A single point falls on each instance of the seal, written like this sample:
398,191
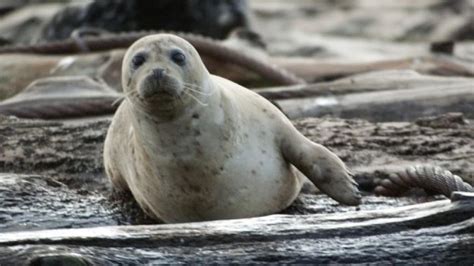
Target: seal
191,146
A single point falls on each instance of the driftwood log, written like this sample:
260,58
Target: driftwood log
378,96
313,70
436,232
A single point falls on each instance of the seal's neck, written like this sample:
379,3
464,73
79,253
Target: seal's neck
216,121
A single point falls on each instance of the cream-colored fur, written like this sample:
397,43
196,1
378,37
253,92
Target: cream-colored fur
223,152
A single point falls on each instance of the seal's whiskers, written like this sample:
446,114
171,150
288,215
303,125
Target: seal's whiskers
119,99
123,96
195,98
131,93
192,85
197,91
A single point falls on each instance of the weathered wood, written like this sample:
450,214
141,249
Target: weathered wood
369,82
313,70
438,232
63,97
385,96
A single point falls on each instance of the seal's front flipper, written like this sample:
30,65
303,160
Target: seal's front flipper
322,167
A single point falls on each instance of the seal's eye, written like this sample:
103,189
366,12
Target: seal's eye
138,60
178,57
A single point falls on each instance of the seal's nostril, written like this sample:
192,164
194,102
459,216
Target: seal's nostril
158,73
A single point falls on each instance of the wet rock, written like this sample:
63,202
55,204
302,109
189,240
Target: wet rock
207,17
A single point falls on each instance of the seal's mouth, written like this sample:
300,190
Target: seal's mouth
158,86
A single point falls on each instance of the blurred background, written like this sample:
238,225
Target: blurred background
301,23
317,40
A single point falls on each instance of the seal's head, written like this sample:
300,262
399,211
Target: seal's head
163,72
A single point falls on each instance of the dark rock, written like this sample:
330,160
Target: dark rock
446,47
208,17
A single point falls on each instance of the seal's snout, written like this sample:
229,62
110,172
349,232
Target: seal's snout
158,74
158,82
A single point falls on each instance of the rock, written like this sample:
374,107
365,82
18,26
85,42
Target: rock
207,17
